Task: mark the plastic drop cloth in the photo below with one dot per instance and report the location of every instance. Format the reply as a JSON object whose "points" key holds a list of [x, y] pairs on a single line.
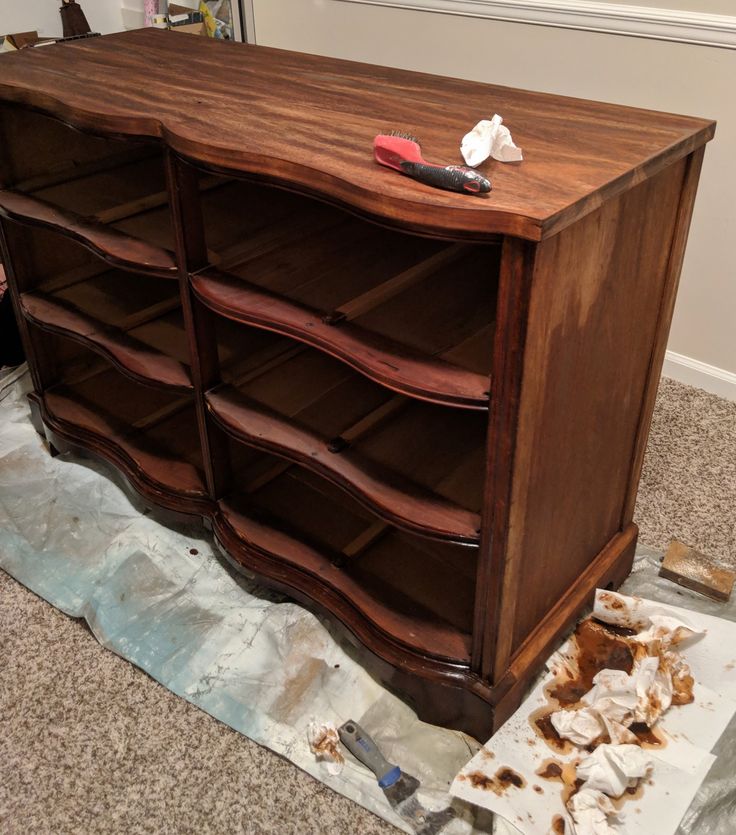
{"points": [[161, 598]]}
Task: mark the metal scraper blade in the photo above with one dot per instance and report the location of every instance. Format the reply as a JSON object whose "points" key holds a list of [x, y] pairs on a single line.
{"points": [[421, 820]]}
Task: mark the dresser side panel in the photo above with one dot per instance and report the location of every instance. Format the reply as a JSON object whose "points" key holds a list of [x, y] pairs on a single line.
{"points": [[597, 292]]}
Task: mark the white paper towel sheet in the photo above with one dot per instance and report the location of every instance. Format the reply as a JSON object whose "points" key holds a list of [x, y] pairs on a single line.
{"points": [[678, 767]]}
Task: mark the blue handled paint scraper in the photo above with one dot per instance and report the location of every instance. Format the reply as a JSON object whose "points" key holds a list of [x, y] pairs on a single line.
{"points": [[399, 788]]}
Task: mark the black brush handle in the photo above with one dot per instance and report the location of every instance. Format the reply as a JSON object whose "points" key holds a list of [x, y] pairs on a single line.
{"points": [[449, 177]]}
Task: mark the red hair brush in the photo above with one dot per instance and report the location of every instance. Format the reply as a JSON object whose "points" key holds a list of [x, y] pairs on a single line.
{"points": [[402, 152]]}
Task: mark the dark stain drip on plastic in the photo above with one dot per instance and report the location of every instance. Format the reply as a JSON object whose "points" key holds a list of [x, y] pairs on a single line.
{"points": [[562, 772], [479, 780]]}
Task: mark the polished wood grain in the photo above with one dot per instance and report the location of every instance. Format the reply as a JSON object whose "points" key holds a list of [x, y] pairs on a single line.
{"points": [[667, 306], [309, 121], [515, 284], [591, 325]]}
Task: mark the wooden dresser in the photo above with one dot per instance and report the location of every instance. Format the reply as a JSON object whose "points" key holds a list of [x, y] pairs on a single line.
{"points": [[419, 411]]}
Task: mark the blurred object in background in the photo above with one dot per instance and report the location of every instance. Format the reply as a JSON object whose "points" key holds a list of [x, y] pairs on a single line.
{"points": [[73, 20], [213, 18], [150, 10], [11, 352], [218, 18]]}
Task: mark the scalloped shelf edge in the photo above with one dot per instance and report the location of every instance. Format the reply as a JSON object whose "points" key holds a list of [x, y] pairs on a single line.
{"points": [[375, 357], [403, 504], [96, 444], [108, 243], [132, 358], [272, 548]]}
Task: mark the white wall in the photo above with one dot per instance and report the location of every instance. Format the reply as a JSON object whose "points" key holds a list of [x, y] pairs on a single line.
{"points": [[702, 6], [43, 15], [656, 74]]}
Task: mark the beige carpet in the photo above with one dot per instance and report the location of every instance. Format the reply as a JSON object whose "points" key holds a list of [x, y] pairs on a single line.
{"points": [[90, 744]]}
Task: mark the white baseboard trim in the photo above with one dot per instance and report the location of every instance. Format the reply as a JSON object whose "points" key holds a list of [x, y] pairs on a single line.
{"points": [[133, 15], [591, 16], [700, 374]]}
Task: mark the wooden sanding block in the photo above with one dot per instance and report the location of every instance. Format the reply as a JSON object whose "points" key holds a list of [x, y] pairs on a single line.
{"points": [[693, 570]]}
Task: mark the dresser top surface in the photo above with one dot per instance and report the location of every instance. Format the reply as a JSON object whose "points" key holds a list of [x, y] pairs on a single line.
{"points": [[309, 121]]}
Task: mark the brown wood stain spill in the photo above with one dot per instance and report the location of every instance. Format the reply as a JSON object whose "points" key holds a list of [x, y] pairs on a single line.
{"points": [[542, 724], [558, 825], [648, 737], [598, 646], [550, 770], [503, 779], [596, 649], [563, 773], [508, 777], [478, 780], [615, 629], [538, 789]]}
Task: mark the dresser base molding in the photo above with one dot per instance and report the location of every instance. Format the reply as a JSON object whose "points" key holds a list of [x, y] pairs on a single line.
{"points": [[607, 571]]}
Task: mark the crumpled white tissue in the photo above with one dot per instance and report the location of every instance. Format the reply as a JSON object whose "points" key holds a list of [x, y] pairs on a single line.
{"points": [[666, 631], [653, 685], [679, 764], [324, 743], [590, 810], [655, 624], [489, 138], [612, 769], [618, 699], [579, 726]]}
